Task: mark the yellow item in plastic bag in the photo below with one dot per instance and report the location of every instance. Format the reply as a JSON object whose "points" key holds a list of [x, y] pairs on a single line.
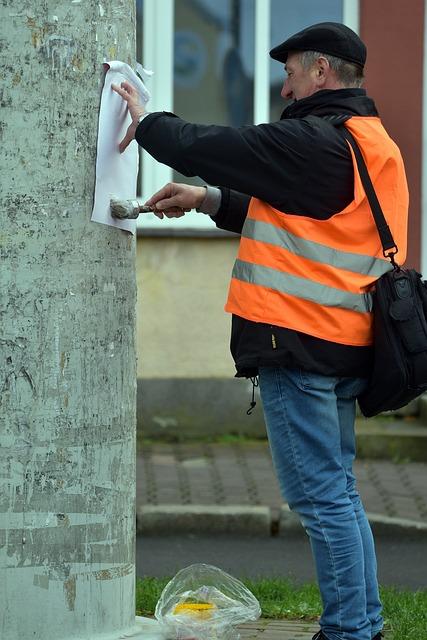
{"points": [[200, 610], [203, 602]]}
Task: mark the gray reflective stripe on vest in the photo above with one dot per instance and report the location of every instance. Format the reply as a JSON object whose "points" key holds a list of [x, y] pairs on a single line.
{"points": [[354, 262], [301, 287]]}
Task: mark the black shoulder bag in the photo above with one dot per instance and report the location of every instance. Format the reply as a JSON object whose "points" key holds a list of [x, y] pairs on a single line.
{"points": [[399, 371]]}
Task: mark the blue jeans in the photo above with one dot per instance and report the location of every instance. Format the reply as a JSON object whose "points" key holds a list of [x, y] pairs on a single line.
{"points": [[310, 424]]}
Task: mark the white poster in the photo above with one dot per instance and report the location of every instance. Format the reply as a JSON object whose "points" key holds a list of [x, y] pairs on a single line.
{"points": [[116, 173]]}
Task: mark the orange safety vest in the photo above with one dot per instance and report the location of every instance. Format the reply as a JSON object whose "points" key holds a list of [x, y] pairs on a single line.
{"points": [[316, 276]]}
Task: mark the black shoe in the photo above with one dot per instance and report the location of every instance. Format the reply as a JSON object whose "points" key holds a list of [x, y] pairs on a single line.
{"points": [[321, 636]]}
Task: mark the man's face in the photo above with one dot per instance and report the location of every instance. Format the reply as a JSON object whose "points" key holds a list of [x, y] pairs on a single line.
{"points": [[299, 82]]}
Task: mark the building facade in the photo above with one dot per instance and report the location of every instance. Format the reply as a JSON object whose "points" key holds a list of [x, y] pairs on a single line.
{"points": [[211, 64]]}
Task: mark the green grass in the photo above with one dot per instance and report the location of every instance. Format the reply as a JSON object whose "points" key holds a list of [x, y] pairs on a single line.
{"points": [[148, 591], [405, 612]]}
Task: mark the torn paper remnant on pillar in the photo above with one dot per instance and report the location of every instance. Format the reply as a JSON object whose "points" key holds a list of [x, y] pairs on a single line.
{"points": [[116, 173]]}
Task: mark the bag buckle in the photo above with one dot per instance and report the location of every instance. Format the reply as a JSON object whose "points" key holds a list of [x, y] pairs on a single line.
{"points": [[389, 254]]}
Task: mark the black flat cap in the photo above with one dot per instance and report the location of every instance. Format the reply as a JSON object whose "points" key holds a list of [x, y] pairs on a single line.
{"points": [[326, 37]]}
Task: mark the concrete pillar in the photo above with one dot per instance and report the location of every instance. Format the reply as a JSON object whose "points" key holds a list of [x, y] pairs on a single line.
{"points": [[67, 318]]}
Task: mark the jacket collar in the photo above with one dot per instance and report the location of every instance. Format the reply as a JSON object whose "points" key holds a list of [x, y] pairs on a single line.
{"points": [[329, 102]]}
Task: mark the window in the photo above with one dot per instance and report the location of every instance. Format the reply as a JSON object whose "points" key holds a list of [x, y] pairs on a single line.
{"points": [[211, 64], [289, 18]]}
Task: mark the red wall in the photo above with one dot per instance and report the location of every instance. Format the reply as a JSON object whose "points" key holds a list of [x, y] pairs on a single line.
{"points": [[393, 31]]}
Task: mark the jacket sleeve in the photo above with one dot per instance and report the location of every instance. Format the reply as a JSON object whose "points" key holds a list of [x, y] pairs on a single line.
{"points": [[233, 210], [294, 165], [258, 160]]}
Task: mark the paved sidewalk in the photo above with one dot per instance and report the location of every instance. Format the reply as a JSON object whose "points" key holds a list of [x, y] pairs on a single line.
{"points": [[223, 476], [262, 629], [278, 630], [282, 630]]}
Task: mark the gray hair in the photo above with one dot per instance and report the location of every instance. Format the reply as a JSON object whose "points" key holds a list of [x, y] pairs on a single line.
{"points": [[349, 74]]}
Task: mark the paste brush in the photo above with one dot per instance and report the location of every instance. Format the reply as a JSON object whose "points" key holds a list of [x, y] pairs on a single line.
{"points": [[128, 208]]}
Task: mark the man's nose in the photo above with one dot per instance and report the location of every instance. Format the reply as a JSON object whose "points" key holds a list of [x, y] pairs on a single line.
{"points": [[286, 92]]}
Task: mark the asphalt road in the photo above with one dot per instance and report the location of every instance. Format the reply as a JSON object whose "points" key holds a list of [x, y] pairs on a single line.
{"points": [[402, 558]]}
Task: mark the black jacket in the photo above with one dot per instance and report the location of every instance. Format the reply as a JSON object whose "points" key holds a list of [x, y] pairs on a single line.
{"points": [[299, 165]]}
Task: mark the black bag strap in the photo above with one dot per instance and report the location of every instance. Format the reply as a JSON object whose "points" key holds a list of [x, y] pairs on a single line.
{"points": [[389, 246]]}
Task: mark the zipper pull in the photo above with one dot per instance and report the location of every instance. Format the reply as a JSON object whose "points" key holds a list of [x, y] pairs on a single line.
{"points": [[273, 341], [255, 383]]}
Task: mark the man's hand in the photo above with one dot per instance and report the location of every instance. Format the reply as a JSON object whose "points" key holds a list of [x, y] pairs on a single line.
{"points": [[174, 199], [131, 95]]}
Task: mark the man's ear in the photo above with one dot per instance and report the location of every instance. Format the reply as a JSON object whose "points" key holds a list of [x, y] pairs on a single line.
{"points": [[323, 69]]}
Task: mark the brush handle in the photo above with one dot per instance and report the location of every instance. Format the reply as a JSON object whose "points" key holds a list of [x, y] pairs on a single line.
{"points": [[146, 209], [128, 209], [138, 208]]}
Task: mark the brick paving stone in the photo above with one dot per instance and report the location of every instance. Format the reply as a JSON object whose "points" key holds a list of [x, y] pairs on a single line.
{"points": [[406, 507], [417, 472]]}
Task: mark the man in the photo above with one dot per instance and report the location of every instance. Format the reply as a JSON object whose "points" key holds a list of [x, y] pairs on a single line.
{"points": [[300, 290]]}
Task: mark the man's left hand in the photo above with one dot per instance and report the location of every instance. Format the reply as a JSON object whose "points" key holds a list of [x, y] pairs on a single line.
{"points": [[136, 110]]}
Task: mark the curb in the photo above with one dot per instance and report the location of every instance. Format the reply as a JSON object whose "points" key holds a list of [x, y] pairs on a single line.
{"points": [[386, 525], [246, 520], [204, 519], [381, 524]]}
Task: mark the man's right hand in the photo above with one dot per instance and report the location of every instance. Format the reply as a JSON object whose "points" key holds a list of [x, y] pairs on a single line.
{"points": [[174, 199]]}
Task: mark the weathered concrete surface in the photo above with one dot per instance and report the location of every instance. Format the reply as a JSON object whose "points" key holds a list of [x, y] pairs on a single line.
{"points": [[180, 408], [67, 352], [381, 439]]}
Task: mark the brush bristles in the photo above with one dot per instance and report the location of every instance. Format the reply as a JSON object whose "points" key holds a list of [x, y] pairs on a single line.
{"points": [[124, 208]]}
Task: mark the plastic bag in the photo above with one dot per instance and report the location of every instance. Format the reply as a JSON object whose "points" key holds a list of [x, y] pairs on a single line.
{"points": [[203, 602]]}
